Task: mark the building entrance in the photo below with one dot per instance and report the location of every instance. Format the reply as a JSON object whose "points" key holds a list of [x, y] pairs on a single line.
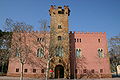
{"points": [[59, 71]]}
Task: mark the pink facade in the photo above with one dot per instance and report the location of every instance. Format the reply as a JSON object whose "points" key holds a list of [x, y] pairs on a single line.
{"points": [[88, 59], [34, 66], [74, 54]]}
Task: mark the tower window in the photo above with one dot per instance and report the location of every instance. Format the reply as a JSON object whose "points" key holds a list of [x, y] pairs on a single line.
{"points": [[59, 38], [53, 12], [59, 7], [25, 70], [17, 69], [59, 51], [59, 27], [60, 61], [60, 12], [99, 40]]}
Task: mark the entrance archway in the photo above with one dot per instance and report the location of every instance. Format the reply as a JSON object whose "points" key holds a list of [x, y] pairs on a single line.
{"points": [[59, 71]]}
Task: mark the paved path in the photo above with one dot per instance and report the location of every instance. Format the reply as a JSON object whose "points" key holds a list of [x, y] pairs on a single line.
{"points": [[17, 78]]}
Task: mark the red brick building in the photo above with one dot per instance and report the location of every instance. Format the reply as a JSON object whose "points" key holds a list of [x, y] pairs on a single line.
{"points": [[74, 54]]}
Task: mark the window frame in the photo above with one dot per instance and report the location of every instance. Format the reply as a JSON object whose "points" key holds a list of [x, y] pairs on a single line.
{"points": [[78, 54], [42, 70], [40, 52], [17, 53], [84, 71], [34, 70], [75, 39], [80, 40], [60, 12], [59, 38], [100, 52], [25, 70], [99, 40], [41, 39], [59, 51], [59, 27], [17, 69], [101, 70]]}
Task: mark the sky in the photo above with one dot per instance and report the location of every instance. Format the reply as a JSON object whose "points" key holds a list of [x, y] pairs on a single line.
{"points": [[85, 16]]}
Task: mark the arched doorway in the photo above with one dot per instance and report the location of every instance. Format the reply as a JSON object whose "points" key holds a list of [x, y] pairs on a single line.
{"points": [[59, 71]]}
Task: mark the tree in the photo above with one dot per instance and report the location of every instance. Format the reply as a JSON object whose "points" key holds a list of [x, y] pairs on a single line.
{"points": [[52, 46], [80, 64], [45, 45], [12, 26], [114, 45], [21, 49], [19, 46], [5, 41]]}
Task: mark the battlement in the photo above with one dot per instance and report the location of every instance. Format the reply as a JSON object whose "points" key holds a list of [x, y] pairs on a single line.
{"points": [[32, 32], [58, 7], [71, 32], [59, 10]]}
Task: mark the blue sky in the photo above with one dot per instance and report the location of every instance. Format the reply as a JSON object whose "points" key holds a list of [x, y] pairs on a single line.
{"points": [[86, 15]]}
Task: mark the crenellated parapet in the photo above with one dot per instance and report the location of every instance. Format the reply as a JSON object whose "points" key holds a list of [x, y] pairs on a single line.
{"points": [[73, 32], [38, 32], [59, 10]]}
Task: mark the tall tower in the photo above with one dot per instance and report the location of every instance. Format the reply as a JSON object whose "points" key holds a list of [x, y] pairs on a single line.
{"points": [[59, 42]]}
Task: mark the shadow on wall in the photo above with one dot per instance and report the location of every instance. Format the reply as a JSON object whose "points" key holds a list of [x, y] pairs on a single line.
{"points": [[72, 55], [115, 76]]}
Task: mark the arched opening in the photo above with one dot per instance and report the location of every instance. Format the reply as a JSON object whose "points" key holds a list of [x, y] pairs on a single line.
{"points": [[59, 71]]}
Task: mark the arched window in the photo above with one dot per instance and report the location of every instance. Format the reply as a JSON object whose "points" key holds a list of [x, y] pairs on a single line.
{"points": [[78, 52], [17, 52], [99, 40], [40, 39], [59, 38], [59, 51], [100, 53], [40, 52]]}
